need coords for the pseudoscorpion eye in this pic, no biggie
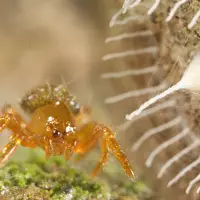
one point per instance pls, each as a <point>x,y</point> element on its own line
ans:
<point>56,133</point>
<point>74,105</point>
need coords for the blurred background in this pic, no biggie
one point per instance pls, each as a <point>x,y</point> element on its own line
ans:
<point>41,39</point>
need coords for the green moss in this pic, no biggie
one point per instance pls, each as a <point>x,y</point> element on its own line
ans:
<point>39,179</point>
<point>47,180</point>
<point>128,190</point>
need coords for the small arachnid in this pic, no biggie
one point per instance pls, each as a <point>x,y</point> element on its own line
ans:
<point>60,126</point>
